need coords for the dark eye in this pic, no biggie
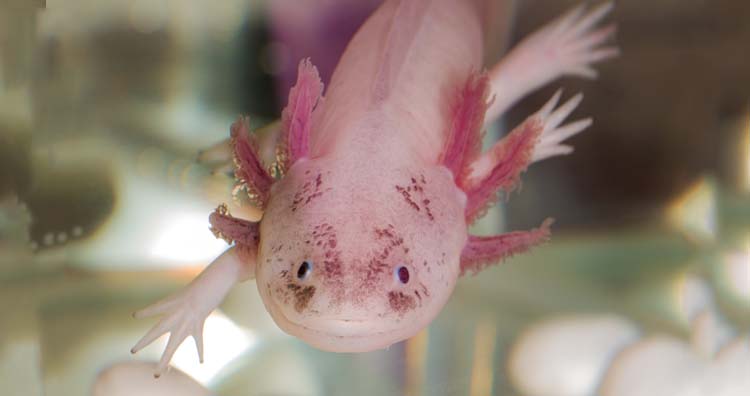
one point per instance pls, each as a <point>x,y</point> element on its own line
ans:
<point>304,270</point>
<point>402,274</point>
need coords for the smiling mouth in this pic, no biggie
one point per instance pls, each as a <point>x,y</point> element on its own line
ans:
<point>338,327</point>
<point>343,335</point>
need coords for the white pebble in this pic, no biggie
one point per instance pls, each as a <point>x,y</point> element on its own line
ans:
<point>136,378</point>
<point>569,355</point>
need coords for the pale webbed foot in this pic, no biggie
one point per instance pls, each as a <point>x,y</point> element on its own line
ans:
<point>540,136</point>
<point>552,136</point>
<point>182,317</point>
<point>184,312</point>
<point>573,45</point>
<point>570,45</point>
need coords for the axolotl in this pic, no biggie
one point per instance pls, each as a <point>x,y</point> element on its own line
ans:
<point>364,227</point>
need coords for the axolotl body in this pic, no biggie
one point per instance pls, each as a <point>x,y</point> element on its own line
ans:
<point>364,234</point>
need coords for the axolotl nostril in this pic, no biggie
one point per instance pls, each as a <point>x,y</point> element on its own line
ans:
<point>364,229</point>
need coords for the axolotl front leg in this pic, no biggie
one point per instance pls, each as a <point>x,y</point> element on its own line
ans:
<point>566,46</point>
<point>482,177</point>
<point>185,312</point>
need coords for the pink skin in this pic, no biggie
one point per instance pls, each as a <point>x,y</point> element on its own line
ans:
<point>364,237</point>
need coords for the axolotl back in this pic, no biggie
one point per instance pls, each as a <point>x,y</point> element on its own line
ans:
<point>364,229</point>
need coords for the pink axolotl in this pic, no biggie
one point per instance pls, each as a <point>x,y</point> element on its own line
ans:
<point>364,234</point>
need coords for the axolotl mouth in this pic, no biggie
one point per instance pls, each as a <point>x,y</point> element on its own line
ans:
<point>344,334</point>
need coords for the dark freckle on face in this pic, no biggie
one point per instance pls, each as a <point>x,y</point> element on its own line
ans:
<point>324,236</point>
<point>400,302</point>
<point>426,204</point>
<point>310,190</point>
<point>407,196</point>
<point>332,268</point>
<point>392,240</point>
<point>384,232</point>
<point>374,268</point>
<point>414,195</point>
<point>302,295</point>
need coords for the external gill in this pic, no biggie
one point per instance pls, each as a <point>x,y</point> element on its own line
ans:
<point>233,229</point>
<point>248,166</point>
<point>567,46</point>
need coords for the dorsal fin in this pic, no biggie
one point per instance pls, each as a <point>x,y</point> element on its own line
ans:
<point>407,20</point>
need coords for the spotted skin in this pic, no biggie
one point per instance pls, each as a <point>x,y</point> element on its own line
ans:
<point>365,220</point>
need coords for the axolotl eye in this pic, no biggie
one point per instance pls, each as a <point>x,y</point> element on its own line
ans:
<point>305,269</point>
<point>402,274</point>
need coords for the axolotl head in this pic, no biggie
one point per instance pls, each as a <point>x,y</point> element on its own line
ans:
<point>354,260</point>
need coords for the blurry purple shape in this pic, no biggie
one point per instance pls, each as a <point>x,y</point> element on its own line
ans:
<point>316,29</point>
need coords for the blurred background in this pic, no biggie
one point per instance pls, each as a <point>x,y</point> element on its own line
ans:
<point>105,107</point>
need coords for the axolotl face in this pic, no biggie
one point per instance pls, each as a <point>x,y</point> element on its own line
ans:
<point>354,260</point>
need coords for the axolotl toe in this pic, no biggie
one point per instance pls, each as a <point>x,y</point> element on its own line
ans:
<point>365,219</point>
